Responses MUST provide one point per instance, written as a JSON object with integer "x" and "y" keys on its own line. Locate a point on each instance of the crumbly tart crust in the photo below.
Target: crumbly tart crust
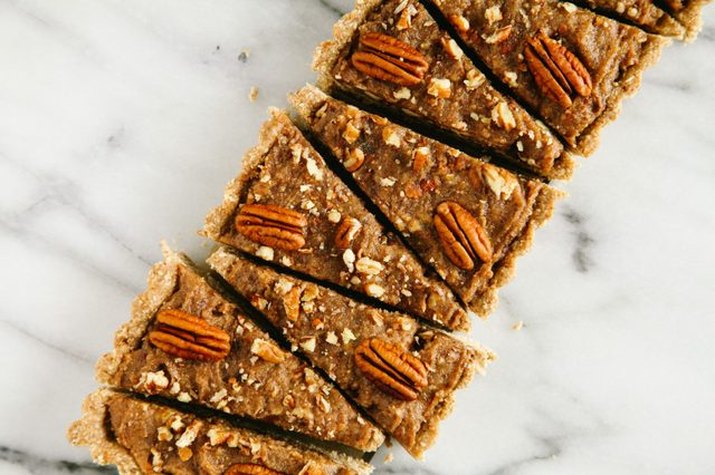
{"x": 140, "y": 437}
{"x": 340, "y": 241}
{"x": 453, "y": 95}
{"x": 644, "y": 13}
{"x": 690, "y": 17}
{"x": 330, "y": 329}
{"x": 577, "y": 85}
{"x": 409, "y": 176}
{"x": 255, "y": 379}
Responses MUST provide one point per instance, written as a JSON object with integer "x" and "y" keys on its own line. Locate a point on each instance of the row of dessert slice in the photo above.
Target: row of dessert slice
{"x": 567, "y": 67}
{"x": 189, "y": 342}
{"x": 186, "y": 341}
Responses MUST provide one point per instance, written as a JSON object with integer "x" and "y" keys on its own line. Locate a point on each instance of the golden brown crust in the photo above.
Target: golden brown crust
{"x": 219, "y": 217}
{"x": 106, "y": 410}
{"x": 484, "y": 303}
{"x": 90, "y": 431}
{"x": 589, "y": 139}
{"x": 344, "y": 29}
{"x": 162, "y": 280}
{"x": 691, "y": 18}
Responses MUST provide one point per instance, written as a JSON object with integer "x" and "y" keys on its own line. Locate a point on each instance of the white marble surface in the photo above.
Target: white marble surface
{"x": 120, "y": 122}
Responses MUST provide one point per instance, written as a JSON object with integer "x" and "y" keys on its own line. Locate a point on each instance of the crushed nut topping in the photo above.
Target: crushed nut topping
{"x": 474, "y": 79}
{"x": 266, "y": 253}
{"x": 452, "y": 48}
{"x": 493, "y": 14}
{"x": 349, "y": 259}
{"x": 503, "y": 117}
{"x": 354, "y": 159}
{"x": 308, "y": 344}
{"x": 313, "y": 169}
{"x": 368, "y": 266}
{"x": 441, "y": 88}
{"x": 351, "y": 133}
{"x": 190, "y": 434}
{"x": 374, "y": 290}
{"x": 402, "y": 93}
{"x": 390, "y": 136}
{"x": 460, "y": 23}
{"x": 334, "y": 216}
{"x": 267, "y": 351}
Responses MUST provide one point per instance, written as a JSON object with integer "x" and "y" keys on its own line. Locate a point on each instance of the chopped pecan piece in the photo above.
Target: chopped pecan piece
{"x": 267, "y": 351}
{"x": 186, "y": 336}
{"x": 272, "y": 225}
{"x": 250, "y": 469}
{"x": 463, "y": 238}
{"x": 557, "y": 71}
{"x": 393, "y": 370}
{"x": 346, "y": 232}
{"x": 386, "y": 58}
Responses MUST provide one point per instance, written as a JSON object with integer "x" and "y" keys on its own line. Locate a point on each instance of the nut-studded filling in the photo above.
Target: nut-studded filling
{"x": 386, "y": 58}
{"x": 557, "y": 71}
{"x": 181, "y": 334}
{"x": 463, "y": 239}
{"x": 393, "y": 370}
{"x": 250, "y": 469}
{"x": 272, "y": 225}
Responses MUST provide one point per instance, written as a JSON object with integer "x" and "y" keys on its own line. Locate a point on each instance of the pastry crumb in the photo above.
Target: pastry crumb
{"x": 389, "y": 457}
{"x": 253, "y": 94}
{"x": 517, "y": 326}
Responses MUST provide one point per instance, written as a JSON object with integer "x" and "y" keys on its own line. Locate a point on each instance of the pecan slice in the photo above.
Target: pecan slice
{"x": 250, "y": 469}
{"x": 463, "y": 238}
{"x": 272, "y": 225}
{"x": 393, "y": 370}
{"x": 557, "y": 71}
{"x": 386, "y": 58}
{"x": 186, "y": 336}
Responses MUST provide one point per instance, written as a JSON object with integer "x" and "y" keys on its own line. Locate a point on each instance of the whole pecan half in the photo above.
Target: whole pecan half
{"x": 250, "y": 469}
{"x": 557, "y": 71}
{"x": 463, "y": 239}
{"x": 272, "y": 225}
{"x": 393, "y": 370}
{"x": 186, "y": 336}
{"x": 386, "y": 58}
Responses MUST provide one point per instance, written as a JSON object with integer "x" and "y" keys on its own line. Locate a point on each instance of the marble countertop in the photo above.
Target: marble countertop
{"x": 120, "y": 123}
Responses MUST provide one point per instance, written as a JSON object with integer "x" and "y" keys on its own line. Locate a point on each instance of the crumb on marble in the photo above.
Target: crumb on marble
{"x": 253, "y": 94}
{"x": 518, "y": 326}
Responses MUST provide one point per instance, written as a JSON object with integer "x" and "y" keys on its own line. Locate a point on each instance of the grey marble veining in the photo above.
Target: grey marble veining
{"x": 120, "y": 123}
